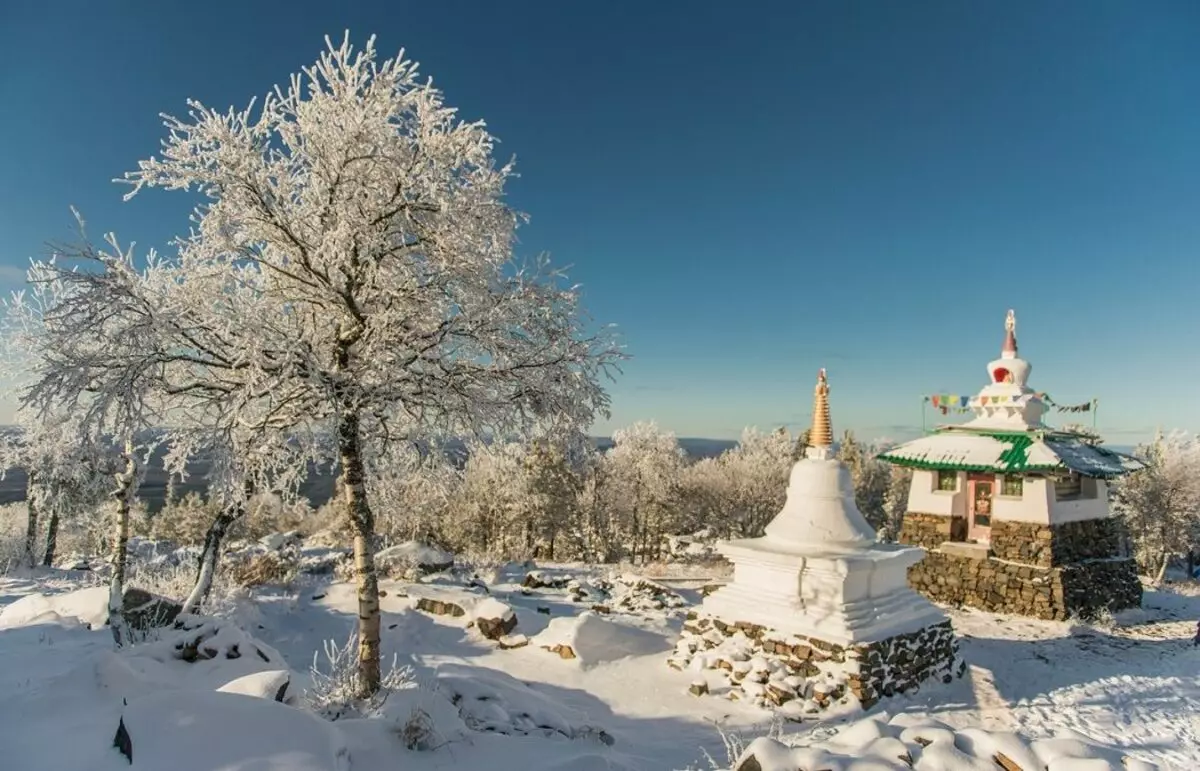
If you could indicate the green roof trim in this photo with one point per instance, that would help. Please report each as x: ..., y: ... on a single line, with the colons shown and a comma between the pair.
x: 1011, y: 452
x: 1014, y: 458
x: 945, y: 466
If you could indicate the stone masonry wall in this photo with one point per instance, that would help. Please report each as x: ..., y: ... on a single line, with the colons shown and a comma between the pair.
x: 804, y: 675
x: 929, y: 530
x: 1048, y: 546
x: 1051, y: 593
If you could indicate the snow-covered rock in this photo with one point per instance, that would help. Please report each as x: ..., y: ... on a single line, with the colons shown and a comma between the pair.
x: 593, y: 639
x: 413, y: 555
x: 202, y: 731
x: 493, y: 701
x: 270, y: 684
x: 910, y: 742
x: 277, y: 541
x: 493, y: 618
x: 87, y: 606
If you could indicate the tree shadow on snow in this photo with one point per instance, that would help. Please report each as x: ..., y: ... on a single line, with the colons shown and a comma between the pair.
x: 442, y: 647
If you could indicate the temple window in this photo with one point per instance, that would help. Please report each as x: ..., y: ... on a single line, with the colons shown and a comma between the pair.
x: 1068, y: 487
x: 1012, y: 486
x: 947, y: 481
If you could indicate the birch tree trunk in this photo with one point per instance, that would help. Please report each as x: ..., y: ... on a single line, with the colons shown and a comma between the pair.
x: 1162, y: 568
x: 206, y: 568
x: 31, y: 524
x: 51, y: 540
x: 362, y: 524
x: 124, y: 494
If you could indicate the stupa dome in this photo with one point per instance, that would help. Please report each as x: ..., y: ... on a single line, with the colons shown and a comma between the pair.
x: 820, y: 512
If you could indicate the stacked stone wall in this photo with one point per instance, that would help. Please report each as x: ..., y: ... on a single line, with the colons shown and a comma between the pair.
x: 808, y: 674
x: 1082, y: 589
x: 1048, y: 546
x: 929, y: 530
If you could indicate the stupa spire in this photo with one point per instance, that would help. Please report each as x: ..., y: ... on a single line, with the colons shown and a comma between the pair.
x: 1009, y: 351
x: 821, y: 434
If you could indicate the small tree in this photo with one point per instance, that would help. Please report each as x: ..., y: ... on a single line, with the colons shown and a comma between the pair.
x: 1160, y: 504
x: 84, y: 343
x: 757, y: 471
x: 644, y: 465
x: 63, y: 475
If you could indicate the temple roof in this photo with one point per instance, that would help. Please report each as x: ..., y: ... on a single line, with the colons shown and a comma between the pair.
x: 957, y: 449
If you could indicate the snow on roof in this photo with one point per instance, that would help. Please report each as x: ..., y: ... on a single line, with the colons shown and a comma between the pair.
x: 1010, y: 452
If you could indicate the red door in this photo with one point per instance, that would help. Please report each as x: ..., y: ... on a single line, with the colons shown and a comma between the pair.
x: 980, y: 489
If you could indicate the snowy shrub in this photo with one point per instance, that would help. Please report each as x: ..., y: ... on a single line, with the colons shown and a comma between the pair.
x: 175, y: 582
x: 336, y: 690
x: 12, y: 536
x: 263, y: 569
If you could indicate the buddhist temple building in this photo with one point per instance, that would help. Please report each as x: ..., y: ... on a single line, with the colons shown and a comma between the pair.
x: 817, y: 611
x: 1014, y: 514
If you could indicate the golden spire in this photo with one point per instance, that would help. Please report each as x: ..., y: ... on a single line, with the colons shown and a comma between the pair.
x: 821, y: 434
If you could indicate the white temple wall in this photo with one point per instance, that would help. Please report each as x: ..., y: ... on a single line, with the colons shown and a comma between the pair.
x: 1092, y: 504
x: 1032, y: 506
x: 925, y: 498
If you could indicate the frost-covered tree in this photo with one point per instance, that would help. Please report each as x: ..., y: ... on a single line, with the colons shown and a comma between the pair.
x: 64, y: 475
x: 757, y: 471
x: 553, y: 488
x: 349, y: 278
x: 801, y: 444
x: 412, y: 488
x: 83, y: 345
x: 643, y: 469
x: 706, y: 497
x: 1160, y: 504
x: 490, y: 507
x: 895, y: 502
x: 871, y: 478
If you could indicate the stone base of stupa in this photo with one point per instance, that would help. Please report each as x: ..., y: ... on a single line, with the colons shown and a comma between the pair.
x: 802, y: 676
x: 801, y: 629
x: 1051, y: 572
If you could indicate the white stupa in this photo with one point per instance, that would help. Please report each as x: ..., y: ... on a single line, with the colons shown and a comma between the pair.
x: 819, y: 571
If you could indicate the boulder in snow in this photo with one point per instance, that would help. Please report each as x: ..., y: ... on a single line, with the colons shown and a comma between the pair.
x: 143, y: 610
x: 270, y: 684
x: 594, y: 640
x: 415, y: 556
x: 493, y: 618
x: 204, y: 730
x: 87, y: 606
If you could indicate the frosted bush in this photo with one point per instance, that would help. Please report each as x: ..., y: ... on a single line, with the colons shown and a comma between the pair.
x: 12, y: 536
x: 175, y: 582
x: 336, y: 688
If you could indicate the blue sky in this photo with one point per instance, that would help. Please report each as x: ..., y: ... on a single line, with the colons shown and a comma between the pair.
x: 750, y: 191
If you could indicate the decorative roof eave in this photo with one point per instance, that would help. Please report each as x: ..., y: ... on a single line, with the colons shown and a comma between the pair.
x: 1002, y: 468
x: 1009, y: 452
x: 995, y: 468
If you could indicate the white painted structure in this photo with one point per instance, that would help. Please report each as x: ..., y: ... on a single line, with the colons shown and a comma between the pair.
x: 1005, y: 463
x: 818, y: 571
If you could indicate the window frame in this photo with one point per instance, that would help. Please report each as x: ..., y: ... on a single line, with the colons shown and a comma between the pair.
x: 1009, y: 479
x: 939, y: 475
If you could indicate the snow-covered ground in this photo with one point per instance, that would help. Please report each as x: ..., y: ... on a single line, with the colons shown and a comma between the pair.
x: 1133, y: 685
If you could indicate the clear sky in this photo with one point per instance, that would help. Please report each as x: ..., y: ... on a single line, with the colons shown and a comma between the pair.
x: 749, y: 190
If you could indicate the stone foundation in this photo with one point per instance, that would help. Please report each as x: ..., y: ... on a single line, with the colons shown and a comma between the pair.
x: 1030, y: 569
x: 1083, y: 589
x: 803, y: 675
x: 1055, y: 545
x: 930, y: 530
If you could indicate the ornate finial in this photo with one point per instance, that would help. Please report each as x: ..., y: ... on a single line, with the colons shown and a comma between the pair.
x: 821, y: 434
x: 1010, y: 334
